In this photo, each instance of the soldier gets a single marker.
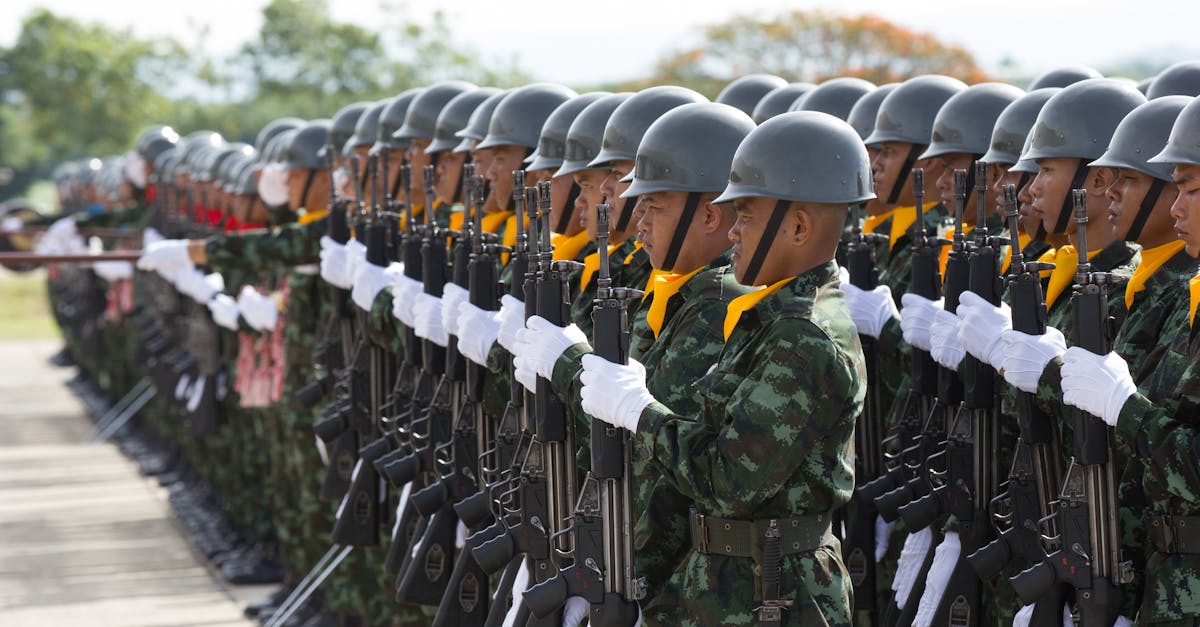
(768, 458)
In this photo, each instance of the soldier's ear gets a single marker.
(1099, 179)
(803, 226)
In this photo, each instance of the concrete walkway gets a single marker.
(84, 539)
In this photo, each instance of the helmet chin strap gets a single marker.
(764, 246)
(564, 218)
(1064, 214)
(914, 151)
(681, 230)
(626, 214)
(1144, 210)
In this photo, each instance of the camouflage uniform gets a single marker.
(770, 441)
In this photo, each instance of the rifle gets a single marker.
(1086, 552)
(1025, 497)
(601, 569)
(859, 546)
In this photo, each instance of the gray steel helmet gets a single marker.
(1079, 121)
(801, 156)
(163, 163)
(366, 129)
(477, 126)
(552, 143)
(630, 121)
(964, 124)
(518, 119)
(196, 141)
(454, 116)
(273, 128)
(154, 140)
(421, 120)
(1183, 146)
(689, 149)
(863, 113)
(779, 100)
(219, 158)
(277, 147)
(344, 121)
(1141, 135)
(907, 114)
(745, 92)
(1012, 127)
(836, 96)
(1063, 76)
(1181, 79)
(391, 117)
(243, 180)
(1144, 84)
(586, 133)
(304, 149)
(231, 167)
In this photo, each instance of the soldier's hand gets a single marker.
(1097, 384)
(453, 297)
(524, 373)
(404, 298)
(870, 310)
(165, 257)
(1026, 356)
(982, 327)
(224, 311)
(428, 319)
(369, 280)
(512, 320)
(916, 320)
(614, 393)
(259, 311)
(542, 342)
(477, 332)
(333, 263)
(945, 347)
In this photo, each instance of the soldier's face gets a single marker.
(416, 158)
(1125, 196)
(505, 159)
(448, 181)
(749, 232)
(589, 196)
(878, 204)
(1186, 208)
(887, 168)
(660, 213)
(560, 190)
(945, 184)
(1049, 190)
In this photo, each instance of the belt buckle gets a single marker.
(1166, 529)
(702, 533)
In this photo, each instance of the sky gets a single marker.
(586, 43)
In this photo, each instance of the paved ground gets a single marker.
(84, 539)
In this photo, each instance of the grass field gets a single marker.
(24, 310)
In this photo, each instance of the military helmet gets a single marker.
(518, 119)
(965, 122)
(779, 100)
(198, 141)
(1012, 127)
(227, 157)
(907, 114)
(745, 92)
(1181, 79)
(552, 143)
(163, 163)
(391, 117)
(586, 133)
(1144, 84)
(209, 163)
(631, 119)
(277, 147)
(862, 114)
(1063, 76)
(1183, 146)
(477, 126)
(342, 127)
(273, 128)
(689, 149)
(832, 166)
(1079, 121)
(243, 180)
(454, 117)
(231, 167)
(366, 129)
(421, 120)
(1142, 134)
(836, 96)
(303, 151)
(154, 140)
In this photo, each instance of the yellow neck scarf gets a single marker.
(1066, 262)
(651, 282)
(872, 222)
(312, 215)
(591, 264)
(944, 255)
(1194, 297)
(1047, 257)
(492, 221)
(664, 286)
(1152, 260)
(510, 234)
(567, 247)
(902, 218)
(636, 247)
(1022, 241)
(746, 302)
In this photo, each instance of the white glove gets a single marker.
(333, 263)
(1097, 384)
(939, 577)
(113, 270)
(520, 585)
(916, 319)
(202, 287)
(574, 611)
(1025, 614)
(150, 236)
(368, 281)
(460, 535)
(196, 394)
(165, 256)
(912, 555)
(356, 254)
(982, 327)
(512, 320)
(1026, 356)
(1121, 622)
(542, 342)
(404, 298)
(427, 318)
(11, 224)
(524, 373)
(945, 347)
(188, 281)
(870, 310)
(62, 228)
(224, 311)
(477, 332)
(883, 537)
(452, 298)
(614, 393)
(258, 310)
